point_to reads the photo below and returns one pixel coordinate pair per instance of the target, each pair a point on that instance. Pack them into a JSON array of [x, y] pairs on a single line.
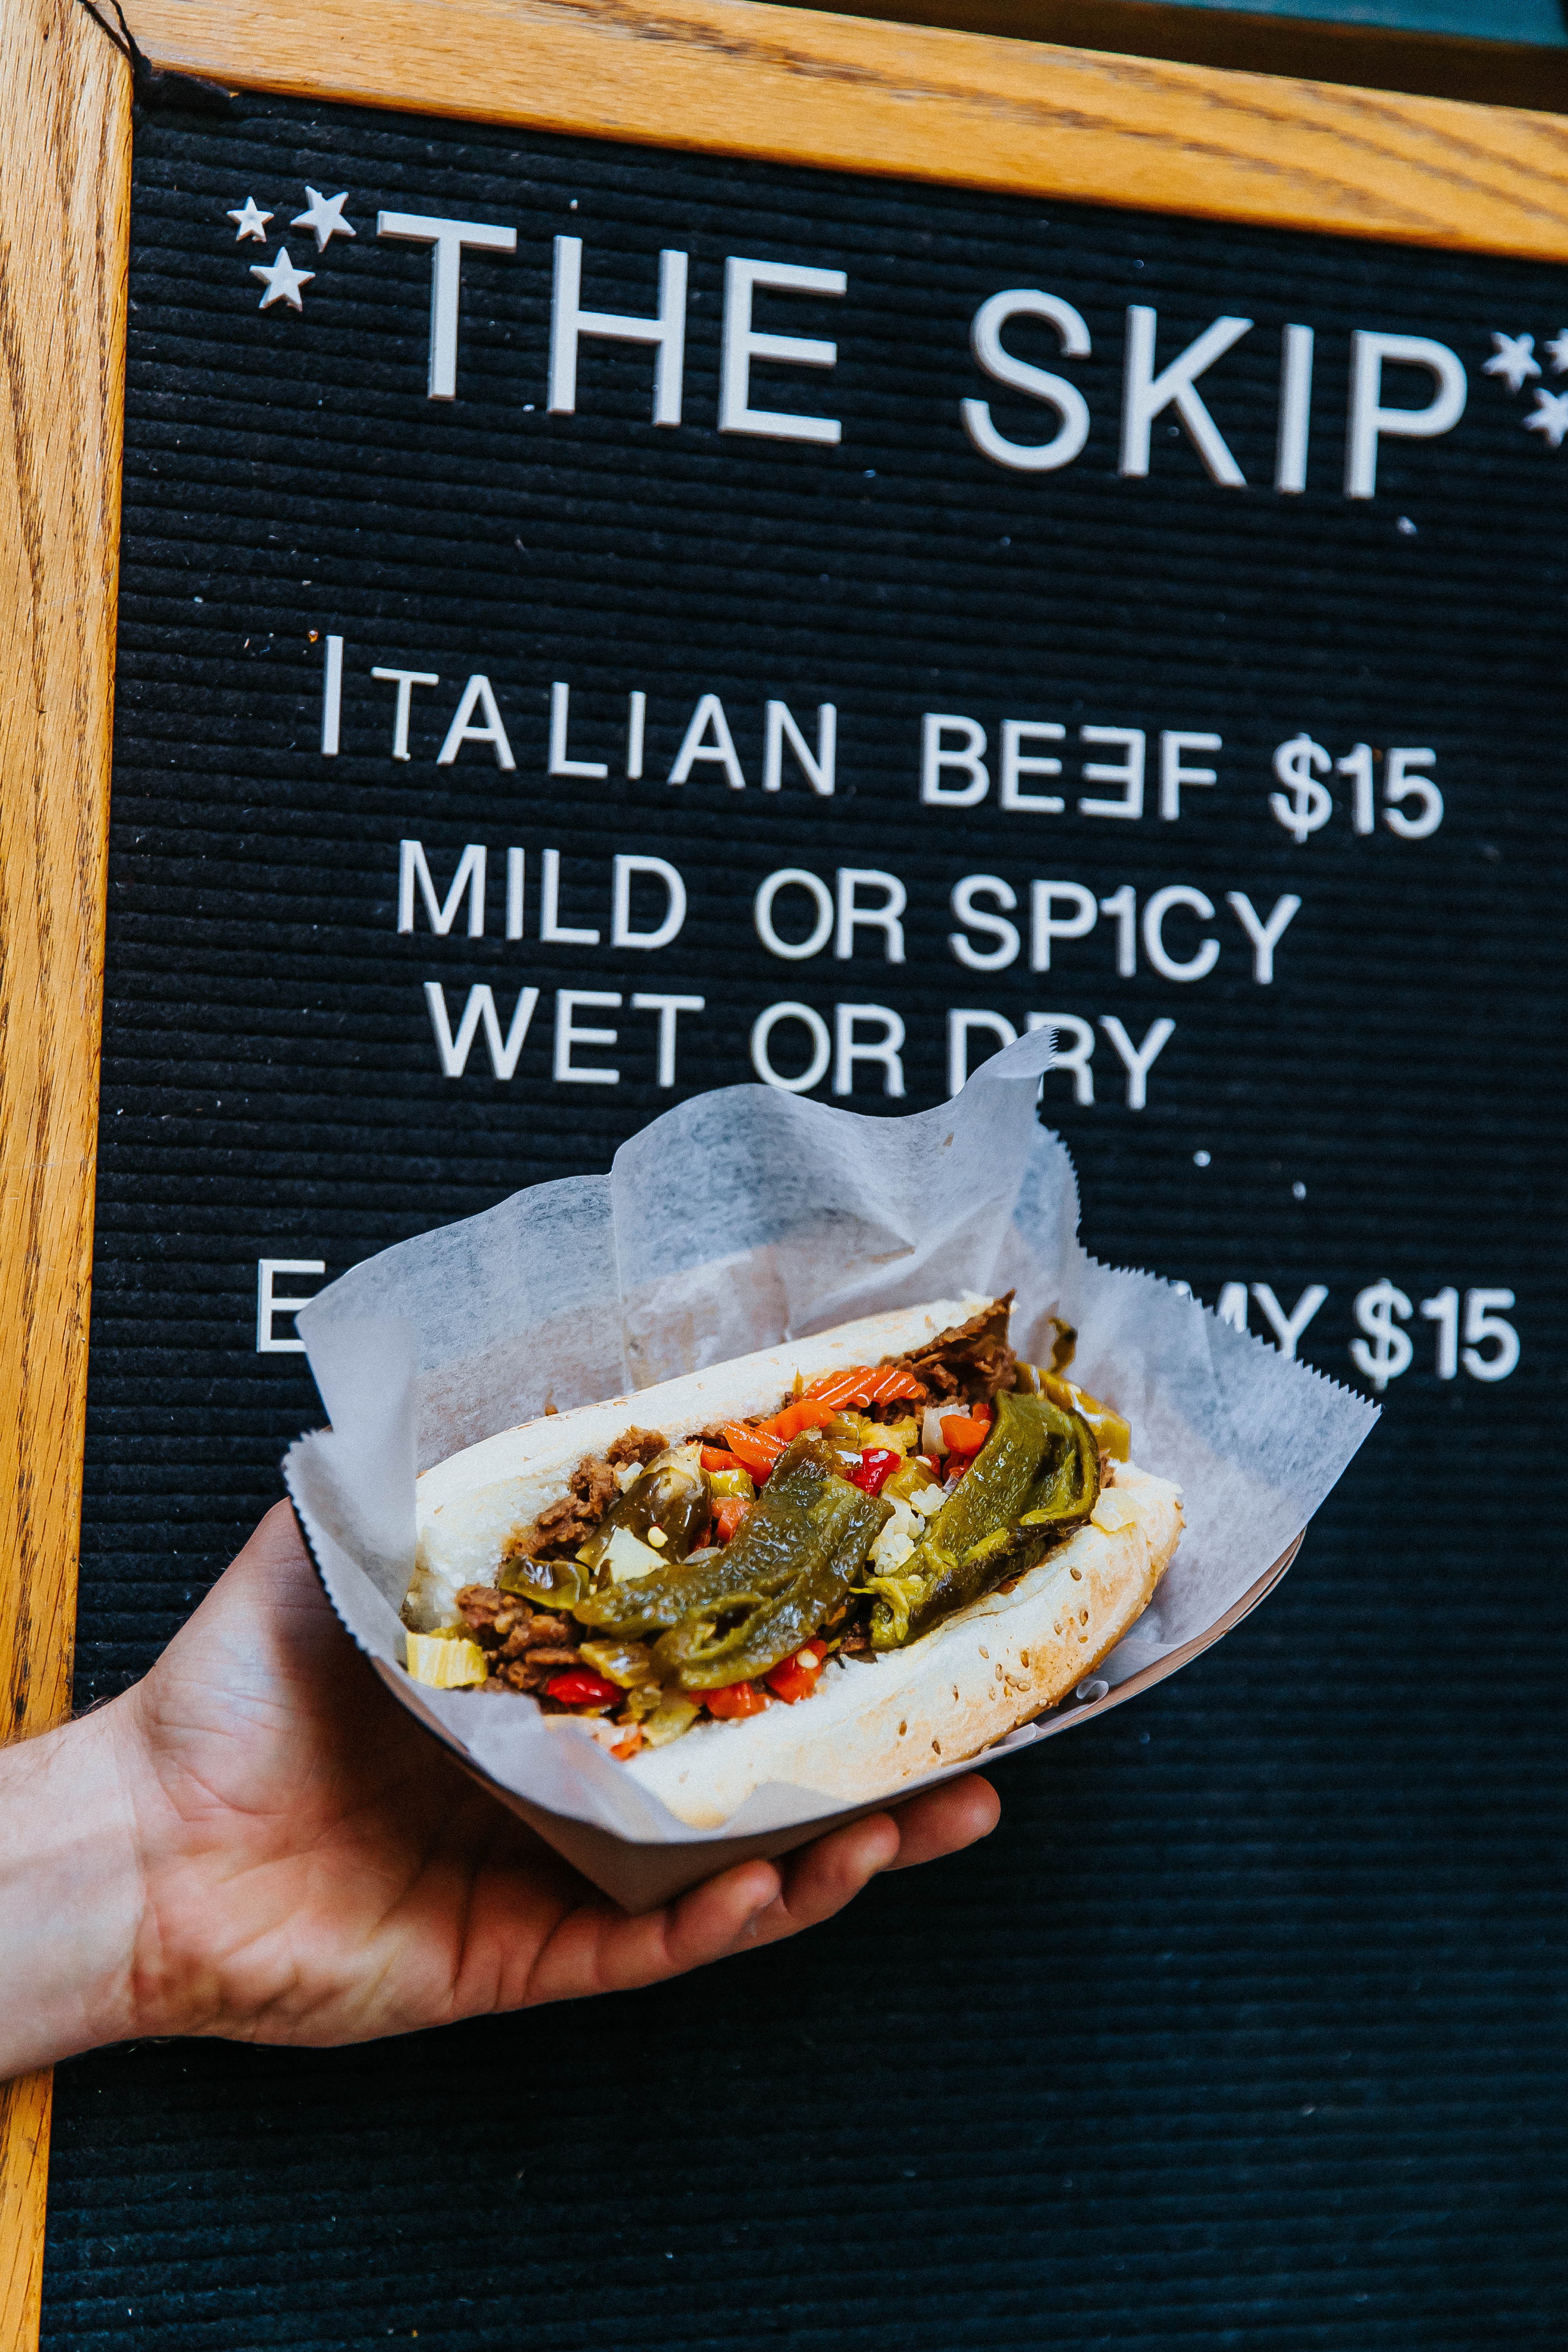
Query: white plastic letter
[[569, 322], [762, 1028], [818, 769], [743, 343], [406, 680], [1075, 1058], [1006, 934], [1145, 394], [267, 1303], [480, 1007], [960, 1023], [566, 1071], [1288, 1329], [1045, 925], [462, 730], [1129, 774], [794, 951], [1019, 375], [449, 238], [1015, 763], [1370, 421], [332, 696], [1172, 775], [1295, 409], [1265, 936], [560, 716], [696, 745], [1138, 1060], [1155, 909], [937, 753], [854, 916], [884, 1051], [669, 928], [412, 867], [668, 1009], [551, 926]]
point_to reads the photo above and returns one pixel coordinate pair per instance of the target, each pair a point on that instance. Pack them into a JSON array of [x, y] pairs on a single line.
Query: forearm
[[69, 1894]]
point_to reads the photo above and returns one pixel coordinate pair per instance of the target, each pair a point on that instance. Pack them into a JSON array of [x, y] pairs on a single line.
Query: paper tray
[[640, 1877]]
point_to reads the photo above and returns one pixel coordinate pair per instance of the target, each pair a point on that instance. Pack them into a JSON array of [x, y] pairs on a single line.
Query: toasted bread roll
[[869, 1730]]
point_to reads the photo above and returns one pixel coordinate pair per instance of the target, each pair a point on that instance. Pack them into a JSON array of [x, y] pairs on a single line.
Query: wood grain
[[737, 77], [65, 157]]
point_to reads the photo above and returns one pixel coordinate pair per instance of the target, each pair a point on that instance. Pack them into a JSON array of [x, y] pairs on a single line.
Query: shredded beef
[[515, 1637], [635, 1446], [973, 1359], [480, 1605], [520, 1675]]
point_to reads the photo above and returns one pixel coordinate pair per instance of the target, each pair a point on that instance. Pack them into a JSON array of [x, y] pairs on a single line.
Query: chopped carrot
[[728, 1514], [965, 1433], [836, 1388], [756, 1450], [714, 1457], [864, 1384], [811, 1413]]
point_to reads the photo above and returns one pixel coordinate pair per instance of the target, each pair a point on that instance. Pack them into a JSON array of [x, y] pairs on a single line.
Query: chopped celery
[[446, 1660]]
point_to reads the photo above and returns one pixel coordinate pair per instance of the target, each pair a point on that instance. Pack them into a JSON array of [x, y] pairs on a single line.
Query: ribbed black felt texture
[[1247, 2026]]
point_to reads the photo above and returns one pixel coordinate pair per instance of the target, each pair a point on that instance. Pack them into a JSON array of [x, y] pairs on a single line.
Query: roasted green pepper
[[798, 1521], [1036, 1474], [755, 1632], [671, 1498], [552, 1583], [1112, 1433]]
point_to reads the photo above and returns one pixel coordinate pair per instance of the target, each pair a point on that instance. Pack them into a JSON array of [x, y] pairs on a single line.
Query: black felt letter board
[[1245, 2026]]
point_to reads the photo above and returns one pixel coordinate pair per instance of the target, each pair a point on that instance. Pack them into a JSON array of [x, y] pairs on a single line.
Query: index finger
[[821, 1878]]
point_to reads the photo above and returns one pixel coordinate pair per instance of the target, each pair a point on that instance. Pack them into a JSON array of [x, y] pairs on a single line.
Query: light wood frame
[[731, 77]]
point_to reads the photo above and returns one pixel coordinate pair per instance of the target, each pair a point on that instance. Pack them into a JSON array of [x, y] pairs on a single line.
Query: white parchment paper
[[735, 1220]]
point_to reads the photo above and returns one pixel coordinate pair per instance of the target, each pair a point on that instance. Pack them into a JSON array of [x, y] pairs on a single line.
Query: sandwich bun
[[868, 1729]]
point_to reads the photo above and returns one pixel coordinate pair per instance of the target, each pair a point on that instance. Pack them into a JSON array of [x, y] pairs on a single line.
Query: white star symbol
[[1558, 351], [281, 279], [252, 221], [1512, 360], [1549, 415], [325, 215]]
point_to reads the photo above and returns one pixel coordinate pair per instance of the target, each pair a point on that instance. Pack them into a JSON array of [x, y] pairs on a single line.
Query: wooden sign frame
[[729, 77]]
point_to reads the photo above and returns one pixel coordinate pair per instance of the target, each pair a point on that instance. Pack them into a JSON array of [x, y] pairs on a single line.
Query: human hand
[[257, 1841]]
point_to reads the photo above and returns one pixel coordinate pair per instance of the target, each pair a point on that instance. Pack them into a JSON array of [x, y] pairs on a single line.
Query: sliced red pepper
[[754, 1449], [877, 1464], [795, 1679], [728, 1513], [580, 1687], [734, 1700]]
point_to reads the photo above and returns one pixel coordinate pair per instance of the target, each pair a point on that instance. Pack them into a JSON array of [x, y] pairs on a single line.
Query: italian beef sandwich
[[838, 1563]]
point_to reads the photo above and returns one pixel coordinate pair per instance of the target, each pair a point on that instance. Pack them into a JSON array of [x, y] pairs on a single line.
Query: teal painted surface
[[1493, 20]]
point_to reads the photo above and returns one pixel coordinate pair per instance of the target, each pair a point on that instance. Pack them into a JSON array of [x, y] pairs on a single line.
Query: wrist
[[70, 1893]]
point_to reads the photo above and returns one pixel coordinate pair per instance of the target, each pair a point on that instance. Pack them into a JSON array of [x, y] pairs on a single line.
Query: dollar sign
[[1305, 804], [1390, 1352]]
